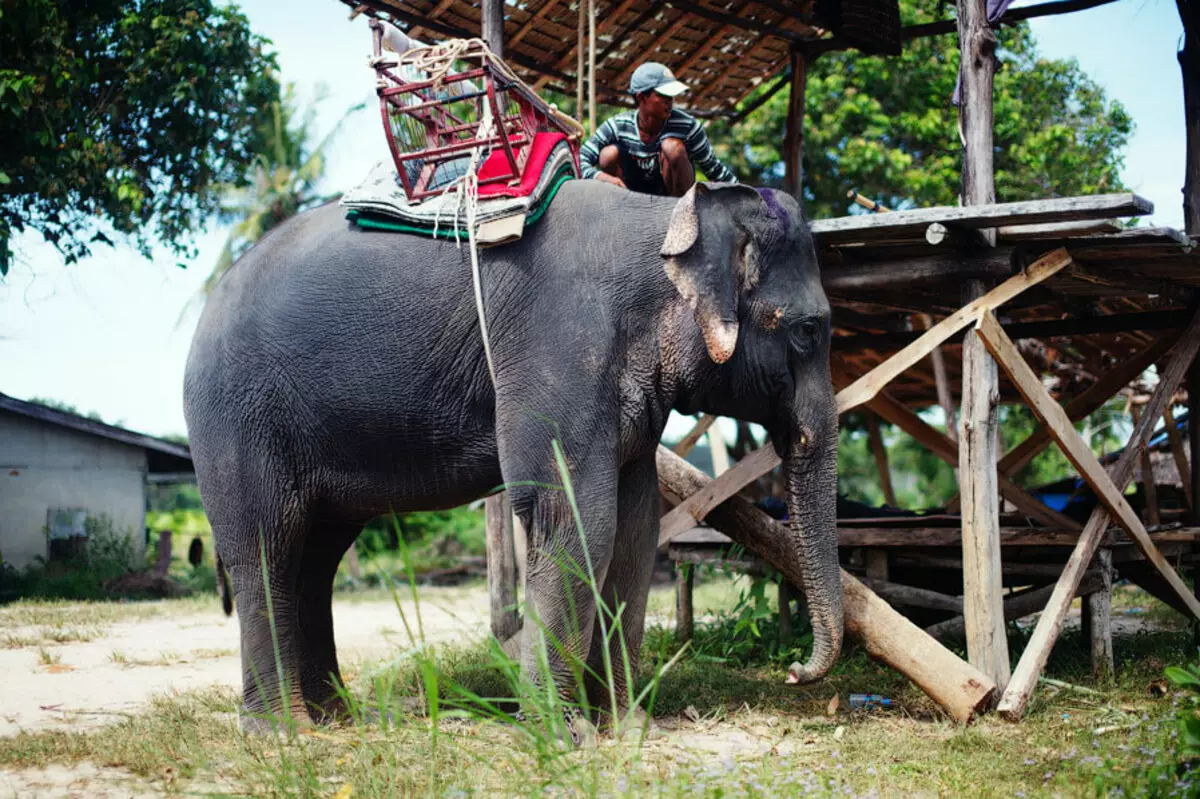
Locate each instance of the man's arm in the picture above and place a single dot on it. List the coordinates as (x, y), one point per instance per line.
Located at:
(589, 154)
(701, 154)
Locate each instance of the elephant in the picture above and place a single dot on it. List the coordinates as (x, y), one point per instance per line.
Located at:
(337, 374)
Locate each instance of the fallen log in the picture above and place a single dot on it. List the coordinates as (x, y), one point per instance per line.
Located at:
(958, 688)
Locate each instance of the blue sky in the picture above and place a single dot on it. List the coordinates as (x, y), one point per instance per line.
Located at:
(110, 334)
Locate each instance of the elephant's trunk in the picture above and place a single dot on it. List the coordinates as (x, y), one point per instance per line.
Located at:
(811, 472)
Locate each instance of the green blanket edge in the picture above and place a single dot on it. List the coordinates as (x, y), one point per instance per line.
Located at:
(371, 221)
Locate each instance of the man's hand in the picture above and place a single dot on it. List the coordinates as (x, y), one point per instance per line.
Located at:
(613, 179)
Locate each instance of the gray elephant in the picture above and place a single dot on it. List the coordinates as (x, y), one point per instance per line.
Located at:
(337, 374)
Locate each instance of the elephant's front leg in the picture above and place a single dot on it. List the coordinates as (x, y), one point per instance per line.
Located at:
(564, 568)
(613, 664)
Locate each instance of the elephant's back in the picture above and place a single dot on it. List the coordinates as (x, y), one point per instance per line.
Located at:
(326, 324)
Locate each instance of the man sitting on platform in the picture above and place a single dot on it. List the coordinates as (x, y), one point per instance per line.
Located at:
(655, 148)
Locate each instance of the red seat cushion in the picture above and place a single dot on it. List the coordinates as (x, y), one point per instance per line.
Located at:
(496, 165)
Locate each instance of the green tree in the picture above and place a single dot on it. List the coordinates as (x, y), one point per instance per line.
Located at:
(283, 178)
(886, 126)
(124, 116)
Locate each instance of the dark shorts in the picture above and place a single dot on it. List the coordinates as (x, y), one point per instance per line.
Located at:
(641, 176)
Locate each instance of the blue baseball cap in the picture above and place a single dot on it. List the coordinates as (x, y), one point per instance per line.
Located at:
(655, 77)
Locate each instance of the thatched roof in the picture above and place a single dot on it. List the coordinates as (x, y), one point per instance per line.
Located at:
(722, 48)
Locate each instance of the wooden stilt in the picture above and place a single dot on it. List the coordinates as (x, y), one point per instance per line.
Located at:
(591, 6)
(875, 438)
(877, 564)
(685, 576)
(1149, 485)
(785, 613)
(983, 603)
(1015, 606)
(793, 141)
(1097, 618)
(1175, 440)
(580, 74)
(492, 24)
(1193, 384)
(1033, 659)
(501, 567)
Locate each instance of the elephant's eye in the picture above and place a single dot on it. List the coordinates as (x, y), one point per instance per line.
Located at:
(803, 334)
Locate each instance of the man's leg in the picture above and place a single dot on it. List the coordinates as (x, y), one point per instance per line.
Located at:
(610, 161)
(677, 171)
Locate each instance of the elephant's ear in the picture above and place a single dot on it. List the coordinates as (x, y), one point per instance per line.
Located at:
(705, 269)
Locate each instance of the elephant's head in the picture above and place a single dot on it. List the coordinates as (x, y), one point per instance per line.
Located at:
(743, 261)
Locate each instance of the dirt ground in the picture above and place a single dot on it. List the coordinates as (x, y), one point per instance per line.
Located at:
(91, 683)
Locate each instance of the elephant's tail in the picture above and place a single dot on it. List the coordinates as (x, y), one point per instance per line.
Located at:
(224, 590)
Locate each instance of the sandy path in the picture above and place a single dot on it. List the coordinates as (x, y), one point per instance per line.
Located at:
(98, 681)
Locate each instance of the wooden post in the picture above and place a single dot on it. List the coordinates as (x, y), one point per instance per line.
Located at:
(1193, 384)
(501, 567)
(875, 438)
(1175, 442)
(1149, 486)
(977, 47)
(785, 613)
(717, 450)
(685, 576)
(941, 381)
(983, 602)
(492, 24)
(580, 75)
(1097, 618)
(591, 4)
(1189, 64)
(793, 142)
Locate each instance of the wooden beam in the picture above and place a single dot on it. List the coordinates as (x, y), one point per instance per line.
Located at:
(1194, 437)
(983, 604)
(1142, 321)
(1033, 659)
(492, 24)
(717, 450)
(941, 382)
(793, 139)
(945, 26)
(1175, 441)
(694, 435)
(1015, 607)
(651, 50)
(1189, 65)
(531, 23)
(913, 597)
(695, 508)
(910, 272)
(912, 224)
(1097, 618)
(879, 452)
(501, 567)
(1051, 414)
(745, 23)
(601, 26)
(870, 384)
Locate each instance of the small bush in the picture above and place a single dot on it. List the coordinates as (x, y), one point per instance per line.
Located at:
(109, 554)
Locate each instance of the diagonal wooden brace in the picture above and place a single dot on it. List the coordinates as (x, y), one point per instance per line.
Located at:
(1051, 414)
(693, 509)
(1033, 659)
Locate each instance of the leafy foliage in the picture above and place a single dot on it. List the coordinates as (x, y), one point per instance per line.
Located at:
(282, 180)
(128, 114)
(1188, 679)
(886, 126)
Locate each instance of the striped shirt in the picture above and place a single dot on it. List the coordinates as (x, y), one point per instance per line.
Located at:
(643, 159)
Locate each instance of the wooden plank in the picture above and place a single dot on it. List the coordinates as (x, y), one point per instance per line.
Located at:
(879, 452)
(912, 223)
(686, 514)
(867, 386)
(1077, 451)
(694, 435)
(914, 597)
(1175, 441)
(501, 567)
(1037, 651)
(983, 604)
(1056, 229)
(717, 450)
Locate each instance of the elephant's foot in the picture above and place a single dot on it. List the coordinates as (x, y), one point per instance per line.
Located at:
(263, 723)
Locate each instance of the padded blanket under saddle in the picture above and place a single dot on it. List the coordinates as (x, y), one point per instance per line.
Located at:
(380, 202)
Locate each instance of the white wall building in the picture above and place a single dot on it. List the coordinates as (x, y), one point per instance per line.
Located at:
(57, 469)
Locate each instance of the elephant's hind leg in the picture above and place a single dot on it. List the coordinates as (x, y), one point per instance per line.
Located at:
(261, 551)
(319, 674)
